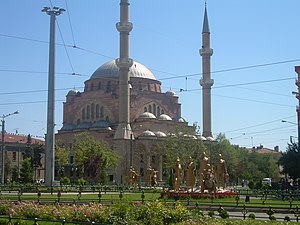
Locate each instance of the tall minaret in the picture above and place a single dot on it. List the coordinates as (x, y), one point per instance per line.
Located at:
(124, 63)
(206, 82)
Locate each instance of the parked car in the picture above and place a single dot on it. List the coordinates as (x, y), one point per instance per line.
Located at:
(267, 181)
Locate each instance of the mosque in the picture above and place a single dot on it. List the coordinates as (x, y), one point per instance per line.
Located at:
(124, 105)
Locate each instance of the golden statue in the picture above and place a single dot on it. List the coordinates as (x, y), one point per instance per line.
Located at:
(148, 176)
(203, 167)
(177, 175)
(133, 176)
(209, 182)
(190, 174)
(221, 173)
(154, 178)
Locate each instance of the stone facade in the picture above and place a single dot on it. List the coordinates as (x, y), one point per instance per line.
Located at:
(153, 116)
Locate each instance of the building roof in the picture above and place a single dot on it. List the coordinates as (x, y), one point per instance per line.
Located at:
(111, 70)
(263, 150)
(16, 138)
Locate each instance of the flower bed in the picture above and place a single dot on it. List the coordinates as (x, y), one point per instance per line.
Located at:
(185, 194)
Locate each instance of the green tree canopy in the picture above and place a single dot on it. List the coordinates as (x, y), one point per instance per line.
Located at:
(93, 157)
(290, 160)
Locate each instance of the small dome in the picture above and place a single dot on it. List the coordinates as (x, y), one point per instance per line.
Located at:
(181, 120)
(101, 124)
(160, 134)
(147, 115)
(189, 136)
(171, 93)
(210, 139)
(202, 138)
(72, 92)
(148, 133)
(164, 117)
(110, 69)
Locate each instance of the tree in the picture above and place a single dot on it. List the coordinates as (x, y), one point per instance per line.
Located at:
(61, 158)
(26, 172)
(93, 157)
(290, 160)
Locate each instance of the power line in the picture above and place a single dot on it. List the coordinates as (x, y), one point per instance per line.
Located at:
(68, 12)
(252, 100)
(65, 47)
(39, 72)
(174, 76)
(258, 125)
(235, 69)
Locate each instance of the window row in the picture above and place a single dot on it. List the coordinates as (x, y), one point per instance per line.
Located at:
(156, 110)
(92, 112)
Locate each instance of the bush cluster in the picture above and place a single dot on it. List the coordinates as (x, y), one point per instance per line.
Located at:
(135, 213)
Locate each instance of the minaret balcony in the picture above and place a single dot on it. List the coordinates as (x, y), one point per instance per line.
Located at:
(124, 62)
(124, 26)
(206, 82)
(206, 51)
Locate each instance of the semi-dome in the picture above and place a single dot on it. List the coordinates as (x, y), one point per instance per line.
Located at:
(72, 92)
(148, 133)
(110, 69)
(171, 93)
(181, 120)
(160, 134)
(164, 117)
(147, 115)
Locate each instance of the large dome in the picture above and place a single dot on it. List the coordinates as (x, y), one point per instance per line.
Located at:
(110, 69)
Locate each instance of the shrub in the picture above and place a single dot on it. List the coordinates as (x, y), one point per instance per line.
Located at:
(65, 181)
(287, 218)
(252, 216)
(223, 213)
(251, 185)
(258, 185)
(211, 213)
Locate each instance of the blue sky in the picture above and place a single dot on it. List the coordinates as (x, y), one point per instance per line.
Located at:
(166, 38)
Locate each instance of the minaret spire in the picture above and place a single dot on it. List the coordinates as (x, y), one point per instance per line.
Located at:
(124, 63)
(206, 82)
(205, 28)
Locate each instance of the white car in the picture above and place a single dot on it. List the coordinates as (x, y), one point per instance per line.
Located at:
(267, 181)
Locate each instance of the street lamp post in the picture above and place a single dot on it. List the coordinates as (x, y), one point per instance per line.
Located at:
(2, 143)
(285, 121)
(50, 137)
(297, 70)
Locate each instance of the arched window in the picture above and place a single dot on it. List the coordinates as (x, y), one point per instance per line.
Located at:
(149, 87)
(145, 109)
(101, 112)
(92, 87)
(86, 87)
(99, 86)
(97, 111)
(162, 111)
(93, 111)
(83, 114)
(158, 111)
(154, 109)
(150, 108)
(88, 112)
(140, 86)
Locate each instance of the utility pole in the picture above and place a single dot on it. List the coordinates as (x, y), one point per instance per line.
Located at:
(2, 145)
(50, 137)
(297, 70)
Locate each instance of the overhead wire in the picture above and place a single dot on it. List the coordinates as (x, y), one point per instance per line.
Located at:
(71, 27)
(174, 75)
